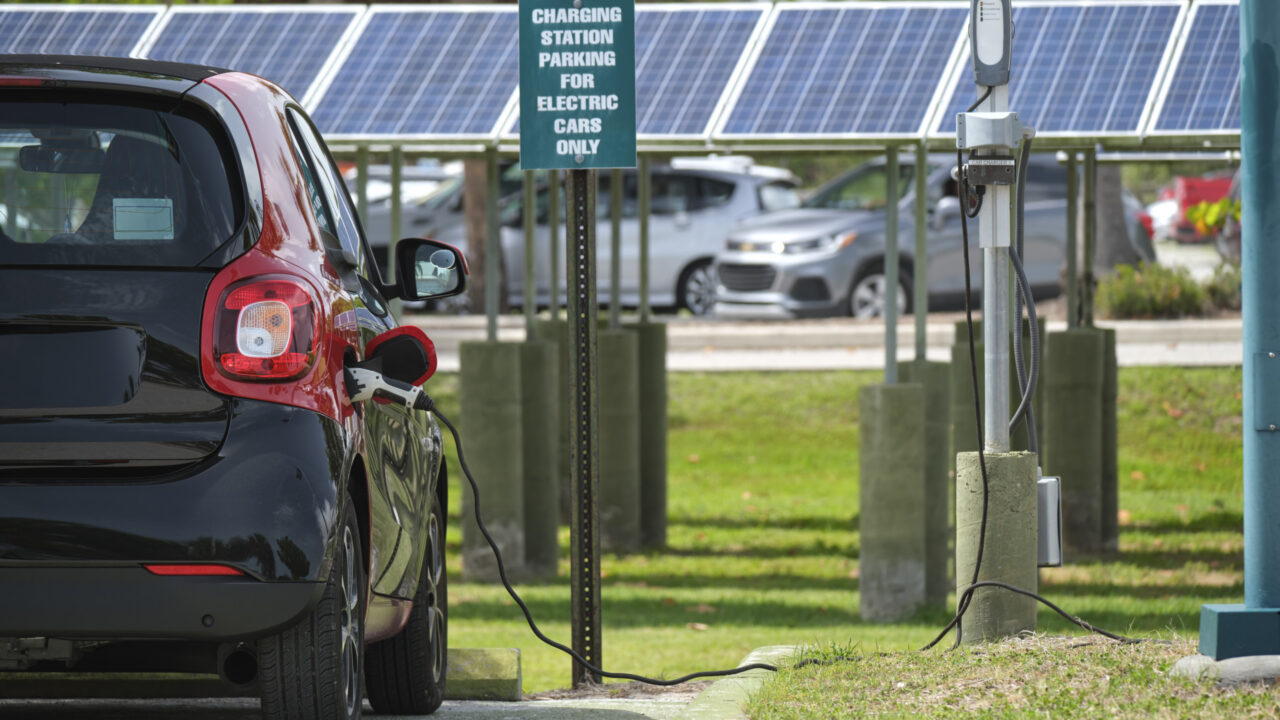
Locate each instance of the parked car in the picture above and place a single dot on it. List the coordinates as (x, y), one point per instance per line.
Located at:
(185, 485)
(1227, 237)
(430, 198)
(827, 257)
(693, 202)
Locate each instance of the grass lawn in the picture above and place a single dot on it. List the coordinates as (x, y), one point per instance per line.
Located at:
(764, 533)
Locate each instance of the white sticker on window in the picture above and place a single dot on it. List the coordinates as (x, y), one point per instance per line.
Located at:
(142, 218)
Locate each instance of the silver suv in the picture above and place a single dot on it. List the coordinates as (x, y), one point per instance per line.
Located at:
(827, 257)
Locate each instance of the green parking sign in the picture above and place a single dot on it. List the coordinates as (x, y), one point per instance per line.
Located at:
(577, 84)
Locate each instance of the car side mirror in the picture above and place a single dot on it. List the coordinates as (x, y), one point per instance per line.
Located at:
(428, 269)
(947, 209)
(404, 353)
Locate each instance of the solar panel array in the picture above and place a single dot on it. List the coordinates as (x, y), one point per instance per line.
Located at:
(290, 46)
(1203, 93)
(841, 69)
(74, 31)
(1079, 69)
(795, 70)
(421, 73)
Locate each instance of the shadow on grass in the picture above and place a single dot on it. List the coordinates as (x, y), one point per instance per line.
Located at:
(1208, 522)
(828, 524)
(1145, 591)
(631, 612)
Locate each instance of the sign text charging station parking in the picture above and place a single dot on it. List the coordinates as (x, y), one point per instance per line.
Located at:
(578, 113)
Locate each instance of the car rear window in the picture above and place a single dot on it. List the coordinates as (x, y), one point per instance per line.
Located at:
(95, 183)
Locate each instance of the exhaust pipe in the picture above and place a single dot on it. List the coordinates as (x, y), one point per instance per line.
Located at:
(238, 667)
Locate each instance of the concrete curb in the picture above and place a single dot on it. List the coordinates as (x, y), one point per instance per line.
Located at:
(725, 699)
(484, 674)
(1232, 671)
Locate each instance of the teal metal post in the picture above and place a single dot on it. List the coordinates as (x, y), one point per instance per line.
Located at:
(530, 288)
(1073, 200)
(643, 191)
(492, 246)
(553, 224)
(1254, 628)
(891, 266)
(920, 259)
(615, 249)
(397, 185)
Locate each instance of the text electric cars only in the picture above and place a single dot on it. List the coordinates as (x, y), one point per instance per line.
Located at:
(185, 483)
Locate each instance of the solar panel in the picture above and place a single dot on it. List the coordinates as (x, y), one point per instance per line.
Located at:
(433, 71)
(1079, 68)
(288, 45)
(110, 31)
(686, 56)
(1202, 92)
(847, 69)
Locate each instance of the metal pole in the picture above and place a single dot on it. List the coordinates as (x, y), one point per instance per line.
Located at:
(553, 224)
(615, 249)
(1260, 36)
(643, 191)
(1090, 234)
(892, 171)
(1073, 206)
(530, 218)
(994, 235)
(920, 259)
(397, 185)
(580, 269)
(362, 181)
(492, 249)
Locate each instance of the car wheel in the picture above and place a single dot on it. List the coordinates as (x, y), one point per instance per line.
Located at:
(405, 674)
(312, 670)
(869, 293)
(697, 289)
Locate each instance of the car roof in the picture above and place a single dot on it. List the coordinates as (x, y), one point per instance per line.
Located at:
(127, 71)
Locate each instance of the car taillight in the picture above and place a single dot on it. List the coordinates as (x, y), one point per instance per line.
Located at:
(265, 329)
(191, 569)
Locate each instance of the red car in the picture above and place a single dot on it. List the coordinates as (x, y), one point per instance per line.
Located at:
(188, 481)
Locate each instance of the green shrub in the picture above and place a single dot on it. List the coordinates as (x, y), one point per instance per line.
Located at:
(1223, 288)
(1149, 291)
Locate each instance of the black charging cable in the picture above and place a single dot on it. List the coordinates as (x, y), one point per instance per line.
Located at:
(424, 402)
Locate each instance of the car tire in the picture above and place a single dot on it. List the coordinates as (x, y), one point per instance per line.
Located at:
(866, 298)
(405, 674)
(312, 671)
(696, 290)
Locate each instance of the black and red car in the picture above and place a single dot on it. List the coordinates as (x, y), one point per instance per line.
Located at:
(185, 484)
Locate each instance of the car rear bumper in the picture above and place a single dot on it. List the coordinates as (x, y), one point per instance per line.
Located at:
(130, 603)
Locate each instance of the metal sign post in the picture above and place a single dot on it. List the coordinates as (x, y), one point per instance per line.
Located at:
(578, 113)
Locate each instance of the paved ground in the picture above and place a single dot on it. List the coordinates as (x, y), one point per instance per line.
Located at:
(240, 709)
(1201, 258)
(844, 343)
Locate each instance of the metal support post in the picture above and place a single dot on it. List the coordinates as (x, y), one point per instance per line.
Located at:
(1254, 628)
(994, 235)
(530, 218)
(1073, 198)
(891, 269)
(920, 258)
(615, 249)
(1090, 234)
(397, 186)
(580, 270)
(492, 246)
(362, 182)
(643, 192)
(553, 224)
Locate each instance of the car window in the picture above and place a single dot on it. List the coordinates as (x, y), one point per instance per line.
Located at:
(778, 196)
(630, 197)
(864, 189)
(669, 194)
(709, 193)
(114, 184)
(315, 197)
(341, 213)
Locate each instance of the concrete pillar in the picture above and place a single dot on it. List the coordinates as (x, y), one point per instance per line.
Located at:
(619, 493)
(1009, 554)
(540, 416)
(652, 356)
(556, 332)
(1110, 456)
(893, 523)
(1073, 376)
(935, 377)
(491, 421)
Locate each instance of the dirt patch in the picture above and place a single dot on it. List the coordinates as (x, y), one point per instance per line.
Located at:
(623, 690)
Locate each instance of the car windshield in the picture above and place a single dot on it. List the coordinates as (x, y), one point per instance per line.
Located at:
(861, 189)
(778, 196)
(106, 184)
